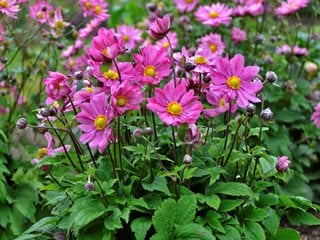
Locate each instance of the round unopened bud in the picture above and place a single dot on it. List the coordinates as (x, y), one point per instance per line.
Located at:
(3, 92)
(78, 75)
(148, 131)
(4, 60)
(187, 159)
(89, 186)
(137, 133)
(271, 77)
(45, 168)
(151, 7)
(189, 66)
(45, 112)
(266, 114)
(60, 45)
(22, 123)
(184, 19)
(311, 68)
(53, 111)
(251, 110)
(260, 38)
(42, 128)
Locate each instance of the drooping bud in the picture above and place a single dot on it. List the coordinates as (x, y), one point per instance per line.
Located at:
(45, 112)
(282, 163)
(271, 77)
(151, 7)
(189, 66)
(89, 186)
(53, 111)
(251, 110)
(187, 159)
(137, 133)
(148, 131)
(42, 128)
(78, 75)
(266, 114)
(22, 123)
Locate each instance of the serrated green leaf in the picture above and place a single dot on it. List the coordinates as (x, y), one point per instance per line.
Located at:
(212, 218)
(253, 231)
(193, 231)
(228, 205)
(253, 214)
(230, 233)
(113, 221)
(158, 184)
(232, 189)
(298, 217)
(186, 209)
(140, 227)
(272, 222)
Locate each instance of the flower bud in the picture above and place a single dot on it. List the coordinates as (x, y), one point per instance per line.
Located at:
(282, 163)
(45, 168)
(42, 128)
(89, 186)
(148, 131)
(151, 7)
(22, 123)
(189, 66)
(53, 111)
(271, 77)
(137, 133)
(60, 45)
(187, 159)
(3, 60)
(160, 27)
(45, 112)
(251, 110)
(78, 75)
(311, 68)
(266, 114)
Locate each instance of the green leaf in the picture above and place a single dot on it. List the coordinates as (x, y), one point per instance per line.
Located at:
(85, 210)
(272, 222)
(212, 218)
(298, 217)
(228, 205)
(113, 221)
(186, 209)
(253, 214)
(193, 231)
(287, 233)
(211, 200)
(140, 227)
(232, 189)
(269, 199)
(158, 184)
(253, 231)
(230, 233)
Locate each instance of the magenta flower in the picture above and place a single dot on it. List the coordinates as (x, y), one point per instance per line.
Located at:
(291, 6)
(131, 36)
(126, 97)
(57, 23)
(192, 135)
(221, 104)
(214, 43)
(234, 80)
(185, 5)
(90, 27)
(159, 27)
(282, 163)
(49, 150)
(107, 45)
(152, 65)
(175, 105)
(163, 43)
(285, 49)
(204, 61)
(238, 35)
(249, 7)
(299, 51)
(40, 11)
(315, 117)
(214, 15)
(94, 120)
(95, 8)
(57, 86)
(9, 8)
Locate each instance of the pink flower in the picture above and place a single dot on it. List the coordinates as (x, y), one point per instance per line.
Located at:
(57, 86)
(214, 15)
(299, 51)
(126, 97)
(238, 35)
(2, 32)
(185, 5)
(285, 49)
(40, 11)
(57, 23)
(9, 8)
(315, 117)
(159, 27)
(220, 102)
(49, 150)
(94, 120)
(152, 65)
(95, 8)
(130, 36)
(163, 43)
(291, 6)
(175, 105)
(234, 80)
(90, 27)
(282, 163)
(214, 43)
(107, 45)
(249, 7)
(204, 61)
(192, 135)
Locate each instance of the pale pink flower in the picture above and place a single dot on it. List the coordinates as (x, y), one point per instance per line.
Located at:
(9, 8)
(291, 6)
(163, 43)
(40, 11)
(204, 60)
(282, 163)
(57, 23)
(221, 103)
(95, 8)
(238, 35)
(131, 36)
(249, 7)
(214, 43)
(57, 86)
(185, 5)
(214, 15)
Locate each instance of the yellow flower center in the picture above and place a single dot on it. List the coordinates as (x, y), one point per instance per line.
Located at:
(111, 75)
(40, 15)
(42, 152)
(89, 89)
(105, 52)
(189, 1)
(100, 122)
(125, 38)
(234, 82)
(150, 71)
(4, 4)
(200, 60)
(213, 14)
(174, 108)
(97, 9)
(87, 5)
(59, 24)
(166, 45)
(213, 48)
(222, 103)
(121, 101)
